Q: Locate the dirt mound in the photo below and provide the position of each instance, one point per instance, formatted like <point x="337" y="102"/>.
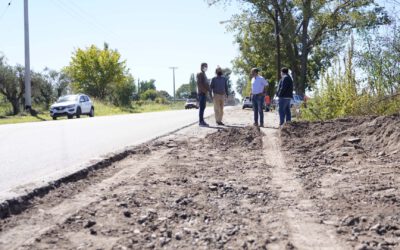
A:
<point x="377" y="135"/>
<point x="249" y="137"/>
<point x="351" y="168"/>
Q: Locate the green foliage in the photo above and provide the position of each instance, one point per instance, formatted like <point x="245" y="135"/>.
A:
<point x="123" y="92"/>
<point x="95" y="71"/>
<point x="247" y="89"/>
<point x="150" y="94"/>
<point x="311" y="34"/>
<point x="161" y="100"/>
<point x="183" y="91"/>
<point x="341" y="95"/>
<point x="227" y="74"/>
<point x="379" y="58"/>
<point x="146" y="85"/>
<point x="42" y="90"/>
<point x="59" y="80"/>
<point x="192" y="86"/>
<point x="11" y="86"/>
<point x="241" y="85"/>
<point x="164" y="94"/>
<point x="187" y="90"/>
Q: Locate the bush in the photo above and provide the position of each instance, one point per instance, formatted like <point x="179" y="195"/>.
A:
<point x="139" y="103"/>
<point x="150" y="94"/>
<point x="122" y="93"/>
<point x="161" y="100"/>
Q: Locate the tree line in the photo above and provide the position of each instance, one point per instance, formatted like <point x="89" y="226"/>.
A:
<point x="98" y="72"/>
<point x="46" y="86"/>
<point x="302" y="35"/>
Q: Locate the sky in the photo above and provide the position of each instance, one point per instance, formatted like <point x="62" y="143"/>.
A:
<point x="151" y="35"/>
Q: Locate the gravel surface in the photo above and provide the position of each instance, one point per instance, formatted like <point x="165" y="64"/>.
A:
<point x="308" y="186"/>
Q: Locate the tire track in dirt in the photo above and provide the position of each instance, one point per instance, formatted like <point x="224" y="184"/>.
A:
<point x="298" y="212"/>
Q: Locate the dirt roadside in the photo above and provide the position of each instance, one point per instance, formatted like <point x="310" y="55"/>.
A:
<point x="350" y="168"/>
<point x="201" y="188"/>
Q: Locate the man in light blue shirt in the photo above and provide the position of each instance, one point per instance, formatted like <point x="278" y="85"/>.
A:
<point x="258" y="84"/>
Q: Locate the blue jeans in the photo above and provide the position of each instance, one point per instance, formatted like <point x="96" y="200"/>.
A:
<point x="284" y="110"/>
<point x="202" y="106"/>
<point x="258" y="104"/>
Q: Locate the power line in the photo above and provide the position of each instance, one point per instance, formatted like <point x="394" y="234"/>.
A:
<point x="5" y="10"/>
<point x="77" y="13"/>
<point x="91" y="18"/>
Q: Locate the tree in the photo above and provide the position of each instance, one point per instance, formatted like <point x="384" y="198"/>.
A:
<point x="10" y="86"/>
<point x="188" y="90"/>
<point x="150" y="94"/>
<point x="227" y="73"/>
<point x="240" y="85"/>
<point x="95" y="71"/>
<point x="59" y="80"/>
<point x="192" y="86"/>
<point x="42" y="89"/>
<point x="123" y="91"/>
<point x="146" y="85"/>
<point x="310" y="31"/>
<point x="184" y="91"/>
<point x="164" y="94"/>
<point x="380" y="60"/>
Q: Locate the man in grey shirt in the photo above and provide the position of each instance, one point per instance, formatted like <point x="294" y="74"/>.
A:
<point x="219" y="89"/>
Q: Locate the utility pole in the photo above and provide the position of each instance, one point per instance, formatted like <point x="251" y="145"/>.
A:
<point x="28" y="101"/>
<point x="173" y="75"/>
<point x="278" y="46"/>
<point x="138" y="86"/>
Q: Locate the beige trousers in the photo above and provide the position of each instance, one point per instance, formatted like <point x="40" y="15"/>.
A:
<point x="219" y="107"/>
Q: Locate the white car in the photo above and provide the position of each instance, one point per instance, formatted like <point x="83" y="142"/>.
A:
<point x="247" y="103"/>
<point x="191" y="103"/>
<point x="72" y="105"/>
<point x="295" y="102"/>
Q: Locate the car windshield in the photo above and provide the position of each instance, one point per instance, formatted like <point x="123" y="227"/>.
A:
<point x="191" y="100"/>
<point x="67" y="98"/>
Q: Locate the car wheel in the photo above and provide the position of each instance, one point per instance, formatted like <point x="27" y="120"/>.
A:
<point x="78" y="112"/>
<point x="91" y="114"/>
<point x="70" y="116"/>
<point x="54" y="117"/>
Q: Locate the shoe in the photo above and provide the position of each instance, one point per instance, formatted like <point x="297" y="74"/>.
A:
<point x="262" y="125"/>
<point x="203" y="124"/>
<point x="221" y="123"/>
<point x="255" y="124"/>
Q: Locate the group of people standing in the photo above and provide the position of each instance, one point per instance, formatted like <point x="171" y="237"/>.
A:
<point x="218" y="90"/>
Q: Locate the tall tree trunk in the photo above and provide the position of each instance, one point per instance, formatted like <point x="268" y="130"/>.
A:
<point x="15" y="106"/>
<point x="305" y="49"/>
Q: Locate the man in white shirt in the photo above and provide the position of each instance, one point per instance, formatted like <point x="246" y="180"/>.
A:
<point x="258" y="84"/>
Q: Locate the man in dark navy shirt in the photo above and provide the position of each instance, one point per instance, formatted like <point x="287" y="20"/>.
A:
<point x="285" y="94"/>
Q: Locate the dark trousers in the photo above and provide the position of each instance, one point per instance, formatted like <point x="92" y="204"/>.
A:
<point x="202" y="106"/>
<point x="284" y="110"/>
<point x="258" y="104"/>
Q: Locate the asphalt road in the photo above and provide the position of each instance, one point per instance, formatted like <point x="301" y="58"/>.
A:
<point x="32" y="154"/>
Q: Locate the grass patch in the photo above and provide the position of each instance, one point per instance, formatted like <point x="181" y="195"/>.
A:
<point x="101" y="109"/>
